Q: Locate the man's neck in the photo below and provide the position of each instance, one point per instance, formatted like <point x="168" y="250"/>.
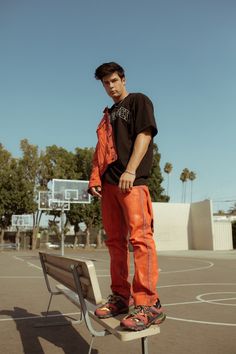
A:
<point x="120" y="98"/>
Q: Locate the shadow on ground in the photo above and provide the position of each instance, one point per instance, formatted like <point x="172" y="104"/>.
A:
<point x="31" y="331"/>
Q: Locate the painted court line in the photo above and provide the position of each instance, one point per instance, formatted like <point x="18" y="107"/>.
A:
<point x="29" y="263"/>
<point x="18" y="259"/>
<point x="217" y="301"/>
<point x="182" y="303"/>
<point x="210" y="265"/>
<point x="202" y="322"/>
<point x="34" y="266"/>
<point x="194" y="284"/>
<point x="201" y="301"/>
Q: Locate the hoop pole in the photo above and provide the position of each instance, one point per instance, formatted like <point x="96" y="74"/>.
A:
<point x="62" y="230"/>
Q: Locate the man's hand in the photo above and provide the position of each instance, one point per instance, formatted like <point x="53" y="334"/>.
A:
<point x="126" y="181"/>
<point x="96" y="191"/>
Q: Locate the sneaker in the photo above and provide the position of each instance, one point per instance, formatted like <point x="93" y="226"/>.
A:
<point x="143" y="317"/>
<point x="115" y="305"/>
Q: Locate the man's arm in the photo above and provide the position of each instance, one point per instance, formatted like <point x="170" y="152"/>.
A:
<point x="141" y="144"/>
<point x="94" y="187"/>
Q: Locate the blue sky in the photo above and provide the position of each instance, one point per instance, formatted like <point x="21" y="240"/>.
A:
<point x="181" y="53"/>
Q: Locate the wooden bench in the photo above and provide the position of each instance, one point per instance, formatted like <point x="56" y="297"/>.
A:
<point x="78" y="282"/>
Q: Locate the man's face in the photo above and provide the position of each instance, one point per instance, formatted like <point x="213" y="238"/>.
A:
<point x="114" y="86"/>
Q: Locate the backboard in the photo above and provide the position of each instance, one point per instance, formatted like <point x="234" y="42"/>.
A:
<point x="24" y="220"/>
<point x="45" y="202"/>
<point x="70" y="191"/>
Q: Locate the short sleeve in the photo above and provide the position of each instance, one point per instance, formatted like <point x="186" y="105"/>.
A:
<point x="144" y="114"/>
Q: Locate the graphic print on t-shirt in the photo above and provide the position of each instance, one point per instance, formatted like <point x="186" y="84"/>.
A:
<point x="121" y="112"/>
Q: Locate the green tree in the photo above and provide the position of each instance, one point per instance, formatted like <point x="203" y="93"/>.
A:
<point x="16" y="193"/>
<point x="5" y="173"/>
<point x="156" y="179"/>
<point x="184" y="178"/>
<point x="192" y="177"/>
<point x="168" y="169"/>
<point x="59" y="163"/>
<point x="83" y="161"/>
<point x="29" y="172"/>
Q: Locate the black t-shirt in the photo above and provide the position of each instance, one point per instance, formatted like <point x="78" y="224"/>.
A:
<point x="130" y="117"/>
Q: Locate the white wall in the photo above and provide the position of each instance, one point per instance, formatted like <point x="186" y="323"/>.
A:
<point x="171" y="225"/>
<point x="179" y="226"/>
<point x="201" y="225"/>
<point x="222" y="236"/>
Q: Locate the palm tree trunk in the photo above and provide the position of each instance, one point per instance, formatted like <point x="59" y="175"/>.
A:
<point x="182" y="197"/>
<point x="168" y="184"/>
<point x="191" y="191"/>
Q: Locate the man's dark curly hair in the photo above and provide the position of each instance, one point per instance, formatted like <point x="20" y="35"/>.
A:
<point x="108" y="69"/>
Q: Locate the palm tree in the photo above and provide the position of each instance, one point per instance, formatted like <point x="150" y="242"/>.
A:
<point x="167" y="169"/>
<point x="184" y="177"/>
<point x="192" y="176"/>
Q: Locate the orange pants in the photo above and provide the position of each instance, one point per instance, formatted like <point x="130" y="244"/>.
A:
<point x="128" y="217"/>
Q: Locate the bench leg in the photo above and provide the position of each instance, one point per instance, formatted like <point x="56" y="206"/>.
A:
<point x="49" y="303"/>
<point x="144" y="345"/>
<point x="91" y="345"/>
<point x="51" y="324"/>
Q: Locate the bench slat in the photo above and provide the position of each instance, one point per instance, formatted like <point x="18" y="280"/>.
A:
<point x="62" y="262"/>
<point x="59" y="268"/>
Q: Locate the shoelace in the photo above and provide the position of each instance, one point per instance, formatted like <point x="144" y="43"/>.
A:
<point x="139" y="308"/>
<point x="144" y="309"/>
<point x="113" y="298"/>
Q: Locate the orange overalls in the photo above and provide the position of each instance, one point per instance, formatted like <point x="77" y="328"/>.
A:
<point x="126" y="217"/>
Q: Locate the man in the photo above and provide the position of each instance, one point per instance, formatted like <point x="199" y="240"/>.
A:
<point x="121" y="165"/>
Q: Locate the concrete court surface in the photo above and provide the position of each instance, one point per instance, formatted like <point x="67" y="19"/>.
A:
<point x="197" y="290"/>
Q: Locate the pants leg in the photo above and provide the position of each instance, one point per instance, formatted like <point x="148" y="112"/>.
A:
<point x="137" y="208"/>
<point x="131" y="212"/>
<point x="116" y="230"/>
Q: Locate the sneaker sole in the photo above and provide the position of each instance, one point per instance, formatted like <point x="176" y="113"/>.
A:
<point x="112" y="314"/>
<point x="160" y="320"/>
<point x="157" y="321"/>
